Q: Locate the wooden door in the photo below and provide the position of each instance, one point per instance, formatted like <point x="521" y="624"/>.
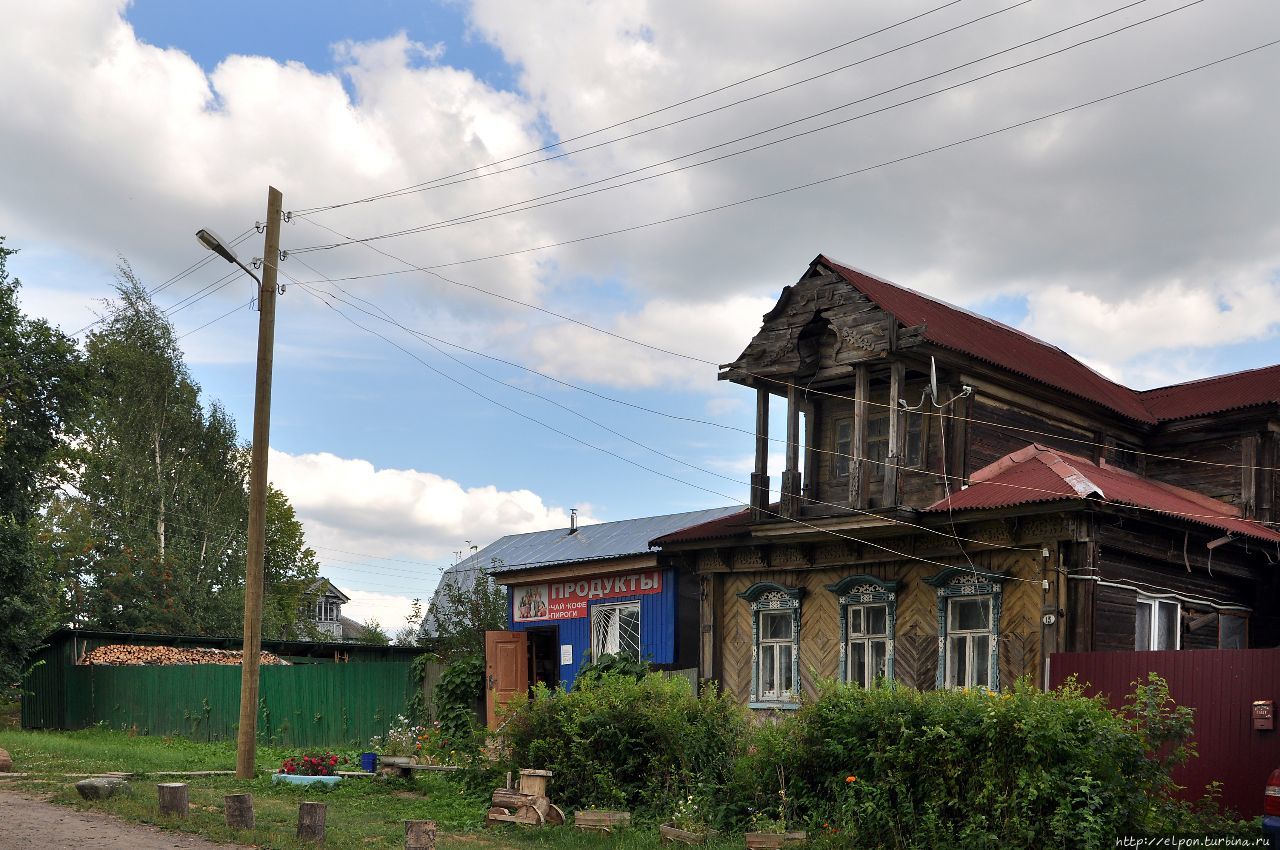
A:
<point x="506" y="661"/>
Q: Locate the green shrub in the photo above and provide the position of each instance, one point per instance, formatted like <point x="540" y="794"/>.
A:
<point x="619" y="742"/>
<point x="894" y="767"/>
<point x="461" y="686"/>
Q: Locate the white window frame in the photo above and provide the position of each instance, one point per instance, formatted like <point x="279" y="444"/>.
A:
<point x="781" y="672"/>
<point x="328" y="610"/>
<point x="599" y="648"/>
<point x="768" y="598"/>
<point x="956" y="636"/>
<point x="968" y="583"/>
<point x="862" y="643"/>
<point x="1153" y="622"/>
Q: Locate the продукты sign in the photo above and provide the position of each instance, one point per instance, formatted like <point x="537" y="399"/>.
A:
<point x="567" y="600"/>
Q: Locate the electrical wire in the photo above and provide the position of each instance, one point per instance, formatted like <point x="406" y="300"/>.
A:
<point x="540" y="201"/>
<point x="649" y="114"/>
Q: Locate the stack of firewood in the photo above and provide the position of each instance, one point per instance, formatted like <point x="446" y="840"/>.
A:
<point x="121" y="654"/>
<point x="529" y="806"/>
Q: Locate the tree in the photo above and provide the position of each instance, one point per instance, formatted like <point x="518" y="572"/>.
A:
<point x="42" y="385"/>
<point x="463" y="612"/>
<point x="410" y="633"/>
<point x="371" y="632"/>
<point x="153" y="538"/>
<point x="290" y="570"/>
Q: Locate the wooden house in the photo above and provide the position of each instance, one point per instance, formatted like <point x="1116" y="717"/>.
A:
<point x="961" y="499"/>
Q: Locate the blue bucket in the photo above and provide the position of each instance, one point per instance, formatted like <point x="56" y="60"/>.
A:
<point x="369" y="762"/>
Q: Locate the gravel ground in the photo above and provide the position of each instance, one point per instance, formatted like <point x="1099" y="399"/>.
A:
<point x="27" y="823"/>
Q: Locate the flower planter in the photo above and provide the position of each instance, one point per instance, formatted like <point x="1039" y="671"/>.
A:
<point x="295" y="779"/>
<point x="773" y="840"/>
<point x="674" y="835"/>
<point x="598" y="821"/>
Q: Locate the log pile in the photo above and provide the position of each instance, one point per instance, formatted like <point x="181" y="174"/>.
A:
<point x="123" y="655"/>
<point x="529" y="806"/>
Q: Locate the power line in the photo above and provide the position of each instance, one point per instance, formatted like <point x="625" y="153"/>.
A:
<point x="540" y="201"/>
<point x="807" y="185"/>
<point x="649" y="114"/>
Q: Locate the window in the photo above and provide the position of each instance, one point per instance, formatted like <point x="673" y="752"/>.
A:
<point x="844" y="446"/>
<point x="327" y="609"/>
<point x="969" y="642"/>
<point x="868" y="649"/>
<point x="867" y="612"/>
<point x="1232" y="631"/>
<point x="615" y="630"/>
<point x="1156" y="624"/>
<point x="777" y="639"/>
<point x="969" y="627"/>
<point x="775" y="633"/>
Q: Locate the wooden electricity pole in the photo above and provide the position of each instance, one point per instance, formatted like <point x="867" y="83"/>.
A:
<point x="247" y="733"/>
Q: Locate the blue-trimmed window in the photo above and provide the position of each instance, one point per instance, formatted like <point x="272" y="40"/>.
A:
<point x="968" y="627"/>
<point x="868" y="611"/>
<point x="775" y="644"/>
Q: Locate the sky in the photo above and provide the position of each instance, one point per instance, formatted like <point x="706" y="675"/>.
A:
<point x="419" y="412"/>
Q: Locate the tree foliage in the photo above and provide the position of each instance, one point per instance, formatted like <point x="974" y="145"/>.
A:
<point x="153" y="537"/>
<point x="41" y="388"/>
<point x="462" y="612"/>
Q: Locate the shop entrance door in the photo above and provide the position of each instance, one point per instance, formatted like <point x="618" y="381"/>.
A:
<point x="506" y="661"/>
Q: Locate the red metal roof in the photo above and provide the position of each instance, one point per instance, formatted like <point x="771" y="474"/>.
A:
<point x="996" y="343"/>
<point x="732" y="525"/>
<point x="1037" y="474"/>
<point x="1216" y="394"/>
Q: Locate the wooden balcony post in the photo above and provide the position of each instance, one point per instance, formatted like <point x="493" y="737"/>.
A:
<point x="857" y="464"/>
<point x="760" y="477"/>
<point x="897" y="372"/>
<point x="791" y="475"/>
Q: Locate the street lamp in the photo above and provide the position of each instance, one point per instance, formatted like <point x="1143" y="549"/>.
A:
<point x="256" y="539"/>
<point x="214" y="243"/>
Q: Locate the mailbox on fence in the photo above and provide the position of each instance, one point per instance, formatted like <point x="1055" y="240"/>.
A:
<point x="1264" y="714"/>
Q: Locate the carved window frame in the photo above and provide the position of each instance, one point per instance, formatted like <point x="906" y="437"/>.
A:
<point x="770" y="597"/>
<point x="967" y="582"/>
<point x="856" y="591"/>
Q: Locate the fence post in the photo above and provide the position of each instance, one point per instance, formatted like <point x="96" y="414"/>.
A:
<point x="420" y="835"/>
<point x="311" y="822"/>
<point x="173" y="798"/>
<point x="239" y="810"/>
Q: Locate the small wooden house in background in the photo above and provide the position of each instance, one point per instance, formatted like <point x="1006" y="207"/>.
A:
<point x="961" y="499"/>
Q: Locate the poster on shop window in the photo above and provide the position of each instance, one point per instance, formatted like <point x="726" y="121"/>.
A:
<point x="567" y="600"/>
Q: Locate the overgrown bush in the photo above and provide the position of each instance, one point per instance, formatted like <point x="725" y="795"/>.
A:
<point x="894" y="767"/>
<point x="460" y="688"/>
<point x="610" y="664"/>
<point x="619" y="742"/>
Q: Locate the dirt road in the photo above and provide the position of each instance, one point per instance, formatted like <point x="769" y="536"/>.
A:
<point x="29" y="824"/>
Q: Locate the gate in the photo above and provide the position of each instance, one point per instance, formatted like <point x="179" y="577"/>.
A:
<point x="1221" y="685"/>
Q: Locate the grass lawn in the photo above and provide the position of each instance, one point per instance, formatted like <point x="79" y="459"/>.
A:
<point x="362" y="813"/>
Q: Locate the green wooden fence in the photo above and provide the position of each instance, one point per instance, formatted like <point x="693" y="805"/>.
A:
<point x="304" y="705"/>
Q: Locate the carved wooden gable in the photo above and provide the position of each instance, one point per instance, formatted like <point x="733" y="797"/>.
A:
<point x="819" y="323"/>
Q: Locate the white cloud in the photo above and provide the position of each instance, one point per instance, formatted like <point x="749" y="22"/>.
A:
<point x="388" y="609"/>
<point x="349" y="504"/>
<point x="715" y="332"/>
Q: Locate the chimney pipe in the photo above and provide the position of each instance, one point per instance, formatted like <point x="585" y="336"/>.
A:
<point x="573" y="520"/>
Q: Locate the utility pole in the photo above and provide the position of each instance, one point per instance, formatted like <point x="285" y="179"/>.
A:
<point x="247" y="734"/>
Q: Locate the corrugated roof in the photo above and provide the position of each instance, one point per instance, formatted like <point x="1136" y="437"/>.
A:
<point x="557" y="546"/>
<point x="733" y="525"/>
<point x="1216" y="394"/>
<point x="996" y="343"/>
<point x="1037" y="474"/>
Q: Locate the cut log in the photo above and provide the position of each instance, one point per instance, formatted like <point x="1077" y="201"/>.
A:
<point x="419" y="835"/>
<point x="311" y="822"/>
<point x="173" y="798"/>
<point x="239" y="810"/>
<point x="511" y="799"/>
<point x="123" y="654"/>
<point x="555" y="815"/>
<point x="6" y="762"/>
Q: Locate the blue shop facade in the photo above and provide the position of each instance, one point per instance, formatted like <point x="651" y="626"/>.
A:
<point x="576" y="594"/>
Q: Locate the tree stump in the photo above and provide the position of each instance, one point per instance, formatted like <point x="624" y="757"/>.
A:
<point x="420" y="835"/>
<point x="173" y="798"/>
<point x="239" y="810"/>
<point x="311" y="822"/>
<point x="6" y="763"/>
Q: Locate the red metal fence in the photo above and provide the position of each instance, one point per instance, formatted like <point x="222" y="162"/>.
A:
<point x="1221" y="685"/>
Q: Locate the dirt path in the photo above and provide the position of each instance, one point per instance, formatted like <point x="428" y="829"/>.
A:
<point x="31" y="824"/>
